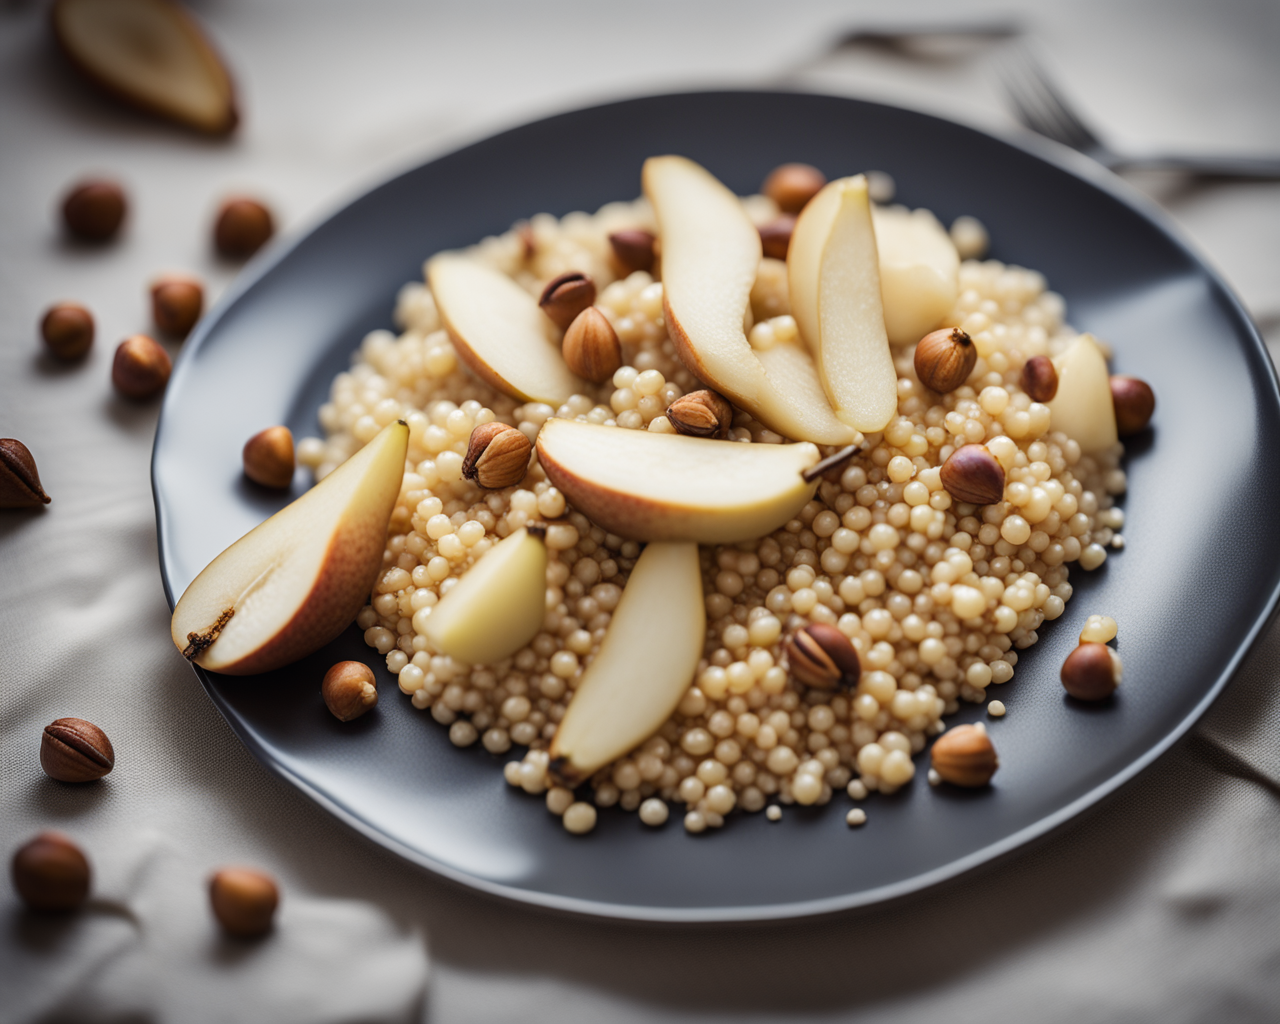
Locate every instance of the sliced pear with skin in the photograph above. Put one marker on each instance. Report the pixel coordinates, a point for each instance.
(152, 54)
(834, 276)
(497, 606)
(651, 487)
(499, 331)
(643, 668)
(919, 272)
(294, 582)
(1082, 408)
(710, 255)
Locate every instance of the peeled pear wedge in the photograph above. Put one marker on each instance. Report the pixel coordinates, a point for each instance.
(294, 582)
(652, 487)
(499, 331)
(1082, 408)
(152, 54)
(643, 668)
(834, 276)
(498, 605)
(919, 271)
(710, 255)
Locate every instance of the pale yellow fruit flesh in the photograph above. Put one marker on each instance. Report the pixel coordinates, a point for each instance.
(297, 580)
(710, 256)
(152, 53)
(643, 667)
(497, 606)
(499, 331)
(652, 487)
(919, 272)
(834, 277)
(1083, 408)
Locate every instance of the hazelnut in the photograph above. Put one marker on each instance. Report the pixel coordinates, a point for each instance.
(793, 185)
(141, 368)
(1092, 672)
(268, 457)
(94, 210)
(497, 456)
(67, 330)
(566, 296)
(1039, 379)
(634, 249)
(73, 750)
(702, 413)
(1134, 401)
(945, 358)
(242, 228)
(591, 347)
(19, 480)
(244, 901)
(51, 873)
(972, 474)
(820, 656)
(964, 756)
(775, 237)
(176, 304)
(349, 690)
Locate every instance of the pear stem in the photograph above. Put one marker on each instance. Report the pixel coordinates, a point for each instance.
(830, 462)
(197, 642)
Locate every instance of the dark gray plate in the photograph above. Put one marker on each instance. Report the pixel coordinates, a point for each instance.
(1191, 591)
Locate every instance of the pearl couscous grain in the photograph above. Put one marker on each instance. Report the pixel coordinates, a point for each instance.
(937, 596)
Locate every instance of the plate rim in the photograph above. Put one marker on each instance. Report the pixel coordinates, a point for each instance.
(1062, 158)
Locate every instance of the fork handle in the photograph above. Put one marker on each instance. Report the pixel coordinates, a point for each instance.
(1258, 168)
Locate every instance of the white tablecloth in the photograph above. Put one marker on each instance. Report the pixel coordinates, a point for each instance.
(1162, 904)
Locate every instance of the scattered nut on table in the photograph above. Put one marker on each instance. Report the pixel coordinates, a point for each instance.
(19, 480)
(73, 750)
(94, 210)
(141, 368)
(51, 873)
(176, 304)
(244, 901)
(243, 227)
(67, 330)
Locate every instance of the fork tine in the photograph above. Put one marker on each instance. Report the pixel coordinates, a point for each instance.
(1041, 106)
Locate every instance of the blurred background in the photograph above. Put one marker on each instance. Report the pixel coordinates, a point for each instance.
(335, 97)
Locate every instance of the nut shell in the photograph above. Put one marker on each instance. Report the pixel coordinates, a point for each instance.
(775, 237)
(945, 358)
(176, 304)
(51, 873)
(73, 750)
(243, 226)
(141, 368)
(1039, 379)
(268, 457)
(972, 474)
(349, 690)
(964, 756)
(1091, 672)
(634, 249)
(1135, 403)
(94, 210)
(566, 296)
(67, 330)
(244, 901)
(497, 456)
(591, 348)
(821, 657)
(703, 413)
(19, 480)
(793, 185)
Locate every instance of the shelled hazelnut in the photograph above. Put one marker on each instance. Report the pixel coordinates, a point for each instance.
(965, 756)
(94, 210)
(634, 249)
(349, 690)
(566, 296)
(497, 456)
(243, 226)
(73, 750)
(1135, 403)
(821, 657)
(591, 347)
(141, 368)
(1039, 379)
(244, 901)
(268, 457)
(67, 330)
(793, 185)
(19, 480)
(775, 237)
(176, 304)
(51, 873)
(1092, 672)
(945, 358)
(972, 474)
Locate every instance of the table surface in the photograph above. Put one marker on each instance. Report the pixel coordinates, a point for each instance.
(1160, 904)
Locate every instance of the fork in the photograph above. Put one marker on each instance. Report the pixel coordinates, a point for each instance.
(1043, 109)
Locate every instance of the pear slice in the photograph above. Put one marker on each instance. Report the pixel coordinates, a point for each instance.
(294, 582)
(919, 271)
(649, 486)
(1082, 408)
(499, 331)
(150, 53)
(498, 605)
(834, 277)
(643, 667)
(710, 256)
